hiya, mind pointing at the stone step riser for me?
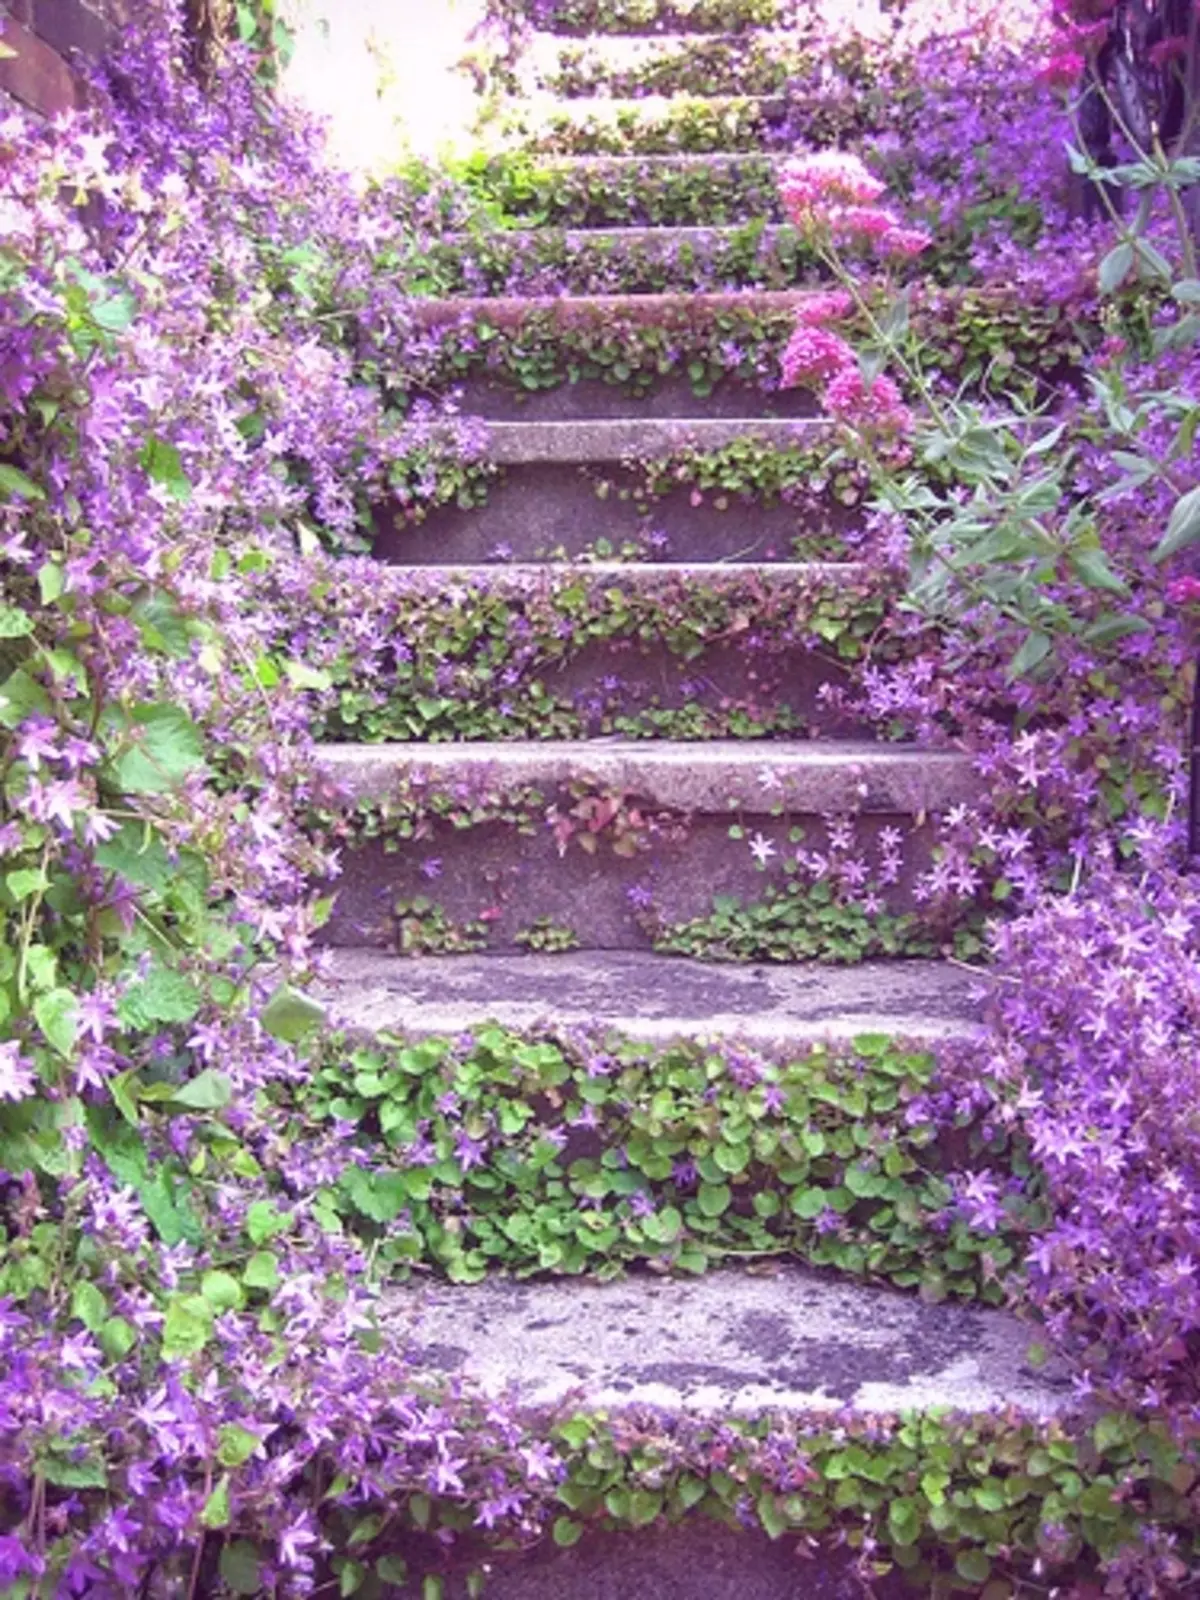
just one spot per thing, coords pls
(619, 843)
(500, 883)
(541, 512)
(633, 690)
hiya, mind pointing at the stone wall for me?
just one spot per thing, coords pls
(52, 38)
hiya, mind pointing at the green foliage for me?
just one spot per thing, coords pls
(536, 1155)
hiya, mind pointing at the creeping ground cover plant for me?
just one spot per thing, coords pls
(212, 377)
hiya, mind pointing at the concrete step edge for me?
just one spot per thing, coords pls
(501, 311)
(679, 158)
(651, 998)
(715, 777)
(516, 443)
(519, 577)
(612, 237)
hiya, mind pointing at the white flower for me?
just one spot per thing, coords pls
(761, 849)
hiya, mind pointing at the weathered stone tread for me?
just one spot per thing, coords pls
(651, 997)
(571, 310)
(730, 1342)
(623, 438)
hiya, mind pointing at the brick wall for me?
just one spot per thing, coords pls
(51, 38)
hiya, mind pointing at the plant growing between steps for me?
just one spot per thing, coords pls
(579, 1154)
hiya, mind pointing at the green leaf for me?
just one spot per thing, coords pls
(567, 1532)
(89, 1305)
(236, 1444)
(1092, 566)
(263, 1222)
(239, 1567)
(262, 1270)
(56, 1017)
(305, 677)
(52, 580)
(1183, 526)
(290, 1014)
(222, 1291)
(216, 1512)
(15, 623)
(432, 1587)
(714, 1198)
(187, 1326)
(163, 464)
(1187, 291)
(1030, 656)
(14, 482)
(26, 881)
(165, 746)
(163, 995)
(209, 1090)
(117, 1338)
(973, 1566)
(904, 1521)
(1115, 268)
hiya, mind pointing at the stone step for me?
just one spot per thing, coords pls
(619, 844)
(624, 67)
(580, 18)
(595, 191)
(674, 489)
(650, 998)
(730, 1343)
(634, 260)
(615, 440)
(560, 357)
(694, 651)
(655, 125)
(567, 311)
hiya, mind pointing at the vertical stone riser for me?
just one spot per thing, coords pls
(505, 880)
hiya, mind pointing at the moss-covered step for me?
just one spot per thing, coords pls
(723, 849)
(639, 650)
(595, 191)
(627, 68)
(683, 489)
(665, 125)
(582, 17)
(634, 260)
(705, 355)
(565, 1144)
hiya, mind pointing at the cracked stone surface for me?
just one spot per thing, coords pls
(650, 996)
(732, 1343)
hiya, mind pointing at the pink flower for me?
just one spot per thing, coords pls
(813, 354)
(1063, 70)
(829, 305)
(878, 407)
(904, 242)
(868, 223)
(825, 177)
(1183, 591)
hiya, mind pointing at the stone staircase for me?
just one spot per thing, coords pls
(564, 878)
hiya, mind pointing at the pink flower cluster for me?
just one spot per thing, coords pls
(831, 191)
